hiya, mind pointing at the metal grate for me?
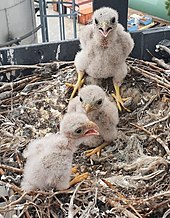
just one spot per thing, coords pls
(61, 15)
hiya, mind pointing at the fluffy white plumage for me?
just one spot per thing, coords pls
(104, 47)
(93, 101)
(49, 159)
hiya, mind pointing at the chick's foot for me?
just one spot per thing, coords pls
(79, 178)
(119, 100)
(78, 84)
(96, 150)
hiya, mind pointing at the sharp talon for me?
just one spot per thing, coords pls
(78, 84)
(89, 151)
(98, 153)
(69, 85)
(119, 100)
(96, 150)
(79, 178)
(74, 169)
(82, 82)
(126, 99)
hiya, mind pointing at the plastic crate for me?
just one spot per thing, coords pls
(147, 40)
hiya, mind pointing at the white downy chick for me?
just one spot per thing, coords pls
(93, 101)
(49, 159)
(105, 45)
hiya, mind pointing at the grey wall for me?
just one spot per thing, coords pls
(17, 18)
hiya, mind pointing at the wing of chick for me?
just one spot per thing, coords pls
(125, 40)
(35, 147)
(86, 36)
(47, 164)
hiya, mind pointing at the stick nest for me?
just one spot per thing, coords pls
(130, 178)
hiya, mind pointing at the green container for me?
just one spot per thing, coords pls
(152, 7)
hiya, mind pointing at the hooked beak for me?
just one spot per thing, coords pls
(105, 29)
(88, 108)
(92, 129)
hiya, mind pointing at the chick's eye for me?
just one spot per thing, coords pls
(81, 99)
(99, 102)
(113, 20)
(78, 131)
(96, 21)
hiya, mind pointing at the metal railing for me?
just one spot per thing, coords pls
(61, 15)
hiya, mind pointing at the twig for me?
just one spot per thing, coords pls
(86, 212)
(153, 66)
(148, 176)
(159, 140)
(8, 86)
(13, 187)
(162, 194)
(36, 206)
(14, 202)
(157, 121)
(148, 103)
(161, 63)
(56, 62)
(13, 169)
(16, 67)
(71, 212)
(156, 78)
(27, 214)
(147, 63)
(166, 213)
(160, 205)
(8, 68)
(122, 197)
(122, 209)
(6, 94)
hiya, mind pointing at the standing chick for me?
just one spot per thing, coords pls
(104, 48)
(49, 159)
(93, 101)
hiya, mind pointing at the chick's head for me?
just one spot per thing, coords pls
(77, 125)
(92, 97)
(105, 21)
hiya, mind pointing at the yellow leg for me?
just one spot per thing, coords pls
(74, 169)
(96, 150)
(78, 84)
(79, 178)
(119, 99)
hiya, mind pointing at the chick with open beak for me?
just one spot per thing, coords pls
(104, 24)
(105, 27)
(49, 159)
(93, 101)
(105, 45)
